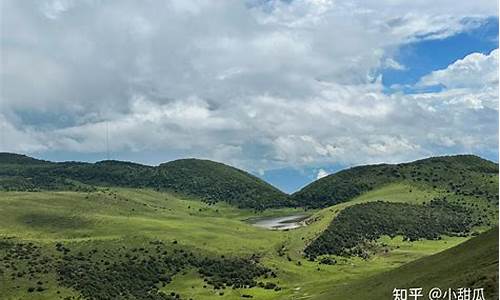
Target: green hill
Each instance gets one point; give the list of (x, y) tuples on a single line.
[(208, 180), (214, 181), (135, 241), (461, 175), (358, 225), (473, 264), (117, 229)]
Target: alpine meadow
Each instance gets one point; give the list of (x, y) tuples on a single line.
[(116, 230), (249, 149)]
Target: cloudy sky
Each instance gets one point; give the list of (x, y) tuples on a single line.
[(288, 90)]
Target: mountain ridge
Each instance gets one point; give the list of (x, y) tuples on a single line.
[(214, 181), (443, 172), (208, 180)]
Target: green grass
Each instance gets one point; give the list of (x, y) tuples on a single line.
[(112, 218), (131, 212), (473, 264), (115, 220)]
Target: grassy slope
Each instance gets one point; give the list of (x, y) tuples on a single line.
[(125, 217), (111, 218), (473, 264), (118, 217), (208, 180), (461, 175)]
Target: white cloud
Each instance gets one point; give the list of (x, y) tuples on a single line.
[(390, 63), (16, 140), (321, 173), (476, 70), (262, 85)]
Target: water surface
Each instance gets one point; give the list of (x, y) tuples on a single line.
[(280, 223)]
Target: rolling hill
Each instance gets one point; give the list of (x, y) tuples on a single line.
[(472, 264), (464, 198), (461, 175), (78, 230), (92, 245), (214, 182), (207, 180)]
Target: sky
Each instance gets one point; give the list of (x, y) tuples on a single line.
[(290, 91)]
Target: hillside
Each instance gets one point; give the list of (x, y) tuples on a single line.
[(162, 242), (460, 175), (355, 227), (472, 264), (214, 182), (140, 242), (208, 180)]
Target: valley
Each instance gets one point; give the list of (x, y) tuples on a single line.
[(110, 240)]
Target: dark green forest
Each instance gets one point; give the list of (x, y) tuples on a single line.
[(356, 225)]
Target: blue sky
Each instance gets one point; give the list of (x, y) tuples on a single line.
[(291, 180), (419, 58), (423, 57), (287, 90)]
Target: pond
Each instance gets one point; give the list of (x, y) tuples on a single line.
[(280, 223)]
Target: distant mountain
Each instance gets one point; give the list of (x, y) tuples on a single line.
[(473, 264), (461, 174), (208, 180), (212, 182)]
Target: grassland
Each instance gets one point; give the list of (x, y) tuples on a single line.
[(116, 218), (473, 264)]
